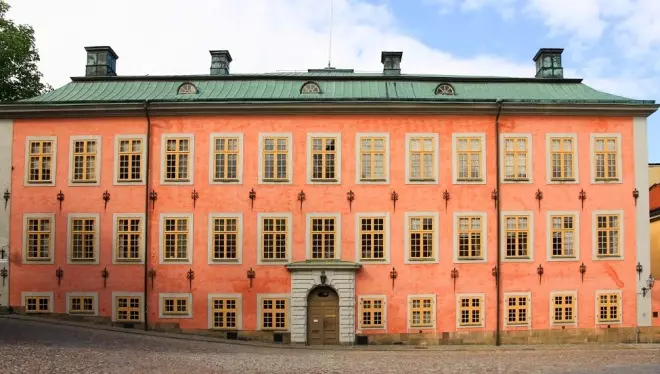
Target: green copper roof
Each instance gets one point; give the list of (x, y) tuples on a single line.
[(342, 85)]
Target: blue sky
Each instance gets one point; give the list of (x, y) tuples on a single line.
[(613, 44)]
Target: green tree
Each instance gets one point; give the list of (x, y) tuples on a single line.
[(19, 76)]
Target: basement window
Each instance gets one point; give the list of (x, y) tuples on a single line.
[(310, 88), (445, 89), (187, 89)]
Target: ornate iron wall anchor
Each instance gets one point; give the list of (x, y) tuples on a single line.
[(3, 251), (582, 196), (153, 196), (251, 274), (446, 196), (639, 268), (635, 194), (454, 276), (252, 196), (494, 196), (190, 275), (393, 275), (59, 273), (394, 196), (350, 196), (105, 274), (6, 196), (583, 269), (323, 277), (152, 275), (649, 285), (106, 198), (539, 271), (194, 195), (4, 273), (60, 198), (539, 196), (495, 272), (301, 198)]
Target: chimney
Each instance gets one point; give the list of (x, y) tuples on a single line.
[(101, 62), (391, 62), (548, 63), (220, 62)]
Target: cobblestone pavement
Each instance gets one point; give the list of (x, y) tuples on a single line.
[(37, 347)]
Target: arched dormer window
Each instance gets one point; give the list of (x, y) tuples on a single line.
[(187, 89), (310, 88), (445, 89)]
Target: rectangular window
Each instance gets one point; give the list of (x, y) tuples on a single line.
[(421, 233), (176, 232), (177, 159), (225, 238), (275, 162), (174, 306), (274, 238), (471, 311), (608, 234), (372, 158), (224, 312), (40, 161), (324, 159), (563, 235), (517, 310), (517, 236), (274, 314), (129, 237), (81, 305), (323, 237), (562, 156), (605, 157), (39, 234), (130, 160), (128, 309), (470, 233), (421, 312), (225, 159), (84, 161), (372, 315), (372, 238), (563, 308), (422, 156), (516, 158), (469, 158), (37, 304), (83, 238), (609, 307)]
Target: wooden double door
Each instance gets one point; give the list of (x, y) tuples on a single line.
[(322, 317)]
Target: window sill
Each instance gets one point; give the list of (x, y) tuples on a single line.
[(462, 326), (315, 180), (423, 327), (379, 180), (82, 313), (373, 260), (562, 180), (469, 179), (275, 180), (38, 260), (39, 183), (421, 180), (226, 180), (608, 257), (82, 261), (606, 180), (220, 261), (516, 179), (421, 260), (273, 261), (176, 181), (469, 259), (82, 183), (525, 258), (614, 322), (517, 324), (274, 329), (128, 260), (129, 181)]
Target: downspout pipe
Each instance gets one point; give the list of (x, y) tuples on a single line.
[(147, 225), (498, 203)]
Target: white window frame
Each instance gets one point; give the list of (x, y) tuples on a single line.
[(338, 152), (484, 238), (576, 303), (183, 295), (597, 307), (260, 315), (51, 247), (117, 294), (53, 166), (95, 303), (454, 156), (191, 159), (239, 160), (289, 241), (436, 157), (386, 161), (239, 310), (99, 148), (69, 242), (289, 157), (50, 295), (406, 238), (530, 159), (434, 314), (592, 155), (530, 238), (239, 239), (548, 234), (358, 240), (548, 158), (161, 242), (383, 299), (115, 217), (594, 236), (143, 160), (458, 310), (308, 234), (528, 324)]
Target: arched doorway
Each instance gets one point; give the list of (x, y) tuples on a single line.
[(322, 316)]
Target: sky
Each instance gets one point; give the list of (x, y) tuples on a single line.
[(614, 45)]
